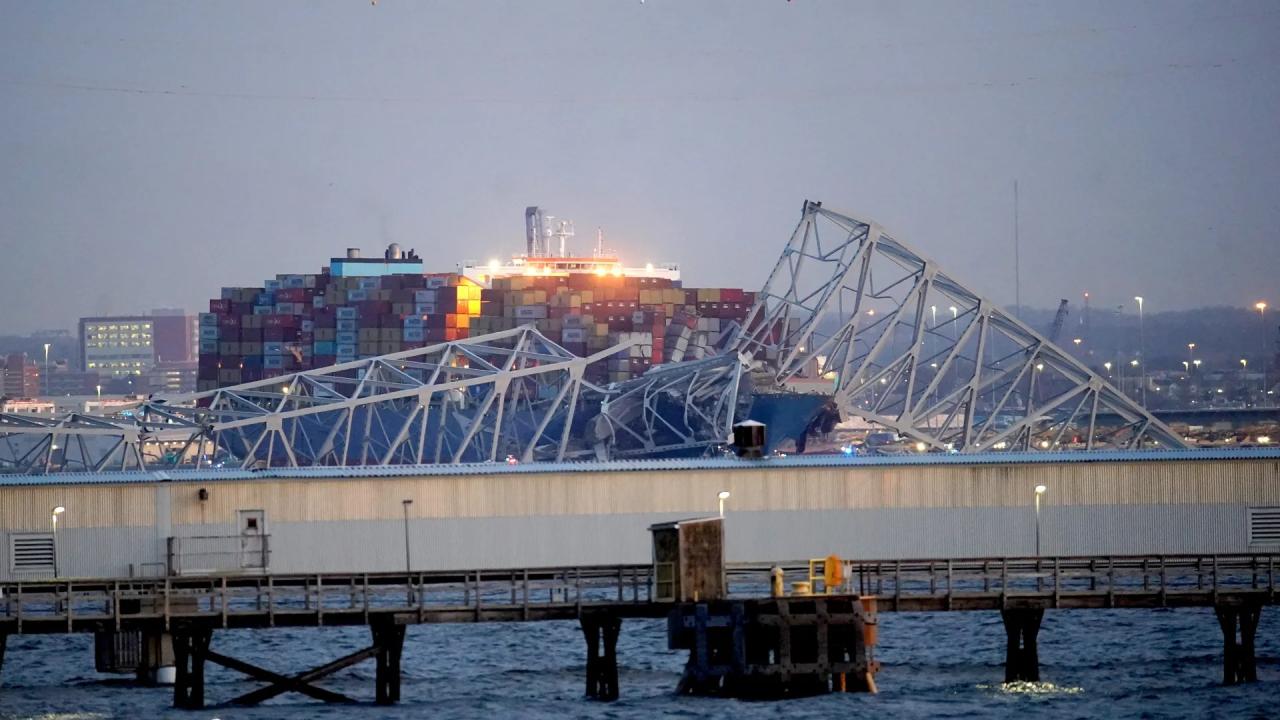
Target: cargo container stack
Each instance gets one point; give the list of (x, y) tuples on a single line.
[(302, 322)]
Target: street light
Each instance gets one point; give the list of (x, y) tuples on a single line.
[(54, 515), (1261, 307), (723, 495), (408, 566), (1142, 347), (46, 369), (1040, 490)]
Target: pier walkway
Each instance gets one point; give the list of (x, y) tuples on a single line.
[(189, 609)]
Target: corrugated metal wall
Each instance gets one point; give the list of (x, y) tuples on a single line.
[(514, 519)]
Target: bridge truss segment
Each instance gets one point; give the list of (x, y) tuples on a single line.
[(910, 348), (673, 409), (512, 393), (77, 442)]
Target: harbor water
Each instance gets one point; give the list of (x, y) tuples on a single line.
[(1094, 664)]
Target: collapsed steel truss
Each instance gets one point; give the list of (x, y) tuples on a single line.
[(845, 302), (512, 394), (86, 443), (850, 303), (674, 408)]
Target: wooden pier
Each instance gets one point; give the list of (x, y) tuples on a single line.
[(187, 611)]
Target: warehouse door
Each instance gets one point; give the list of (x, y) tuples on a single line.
[(253, 539)]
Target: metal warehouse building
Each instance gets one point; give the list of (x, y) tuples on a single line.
[(494, 516)]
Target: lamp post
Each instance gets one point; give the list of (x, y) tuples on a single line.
[(46, 368), (723, 495), (1142, 348), (1040, 490), (54, 515), (408, 565), (1262, 320)]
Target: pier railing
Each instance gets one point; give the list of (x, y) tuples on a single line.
[(237, 600), (1053, 582), (234, 600)]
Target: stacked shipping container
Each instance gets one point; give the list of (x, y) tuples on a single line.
[(300, 322)]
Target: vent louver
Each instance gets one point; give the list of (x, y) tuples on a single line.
[(31, 552), (1264, 526)]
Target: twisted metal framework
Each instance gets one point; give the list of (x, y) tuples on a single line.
[(137, 440), (673, 409), (912, 349), (510, 393)]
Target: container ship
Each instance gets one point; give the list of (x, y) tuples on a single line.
[(360, 307)]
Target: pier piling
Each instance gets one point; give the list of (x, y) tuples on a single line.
[(601, 632), (389, 641), (1021, 660), (190, 650), (1239, 664)]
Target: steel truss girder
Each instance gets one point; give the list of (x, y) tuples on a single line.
[(673, 408), (849, 302), (510, 393)]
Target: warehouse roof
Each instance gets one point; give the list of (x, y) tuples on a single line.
[(683, 464)]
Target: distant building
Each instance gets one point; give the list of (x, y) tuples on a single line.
[(175, 377), (62, 381), (176, 336), (28, 407), (125, 347), (21, 377)]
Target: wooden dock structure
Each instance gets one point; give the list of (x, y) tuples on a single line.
[(189, 610)]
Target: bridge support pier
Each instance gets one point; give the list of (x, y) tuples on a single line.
[(190, 650), (601, 632), (4, 639), (1239, 665), (1021, 659)]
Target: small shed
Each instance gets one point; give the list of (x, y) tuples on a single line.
[(688, 560)]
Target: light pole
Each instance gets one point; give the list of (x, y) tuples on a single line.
[(1262, 319), (1040, 490), (1244, 379), (408, 565), (723, 495), (46, 368), (1142, 348), (56, 512), (1191, 350)]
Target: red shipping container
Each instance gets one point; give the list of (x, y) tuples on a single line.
[(219, 306), (228, 321)]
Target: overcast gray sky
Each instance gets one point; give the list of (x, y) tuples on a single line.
[(156, 151)]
